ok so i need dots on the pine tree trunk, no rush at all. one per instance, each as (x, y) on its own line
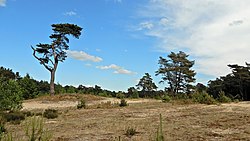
(52, 84)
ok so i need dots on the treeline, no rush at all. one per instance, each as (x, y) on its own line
(31, 88)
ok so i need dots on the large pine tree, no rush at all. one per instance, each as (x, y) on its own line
(51, 54)
(177, 72)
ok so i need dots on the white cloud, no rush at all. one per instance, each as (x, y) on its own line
(83, 56)
(215, 33)
(145, 25)
(3, 3)
(70, 13)
(117, 69)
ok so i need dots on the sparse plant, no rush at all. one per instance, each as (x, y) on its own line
(50, 113)
(107, 104)
(123, 103)
(159, 133)
(34, 130)
(130, 131)
(81, 104)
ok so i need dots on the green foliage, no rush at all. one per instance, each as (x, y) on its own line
(50, 113)
(135, 94)
(166, 98)
(235, 85)
(130, 131)
(203, 98)
(146, 83)
(29, 87)
(49, 55)
(222, 98)
(34, 130)
(159, 133)
(177, 72)
(120, 95)
(8, 74)
(123, 103)
(81, 104)
(10, 95)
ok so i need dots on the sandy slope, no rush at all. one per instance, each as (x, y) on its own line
(44, 104)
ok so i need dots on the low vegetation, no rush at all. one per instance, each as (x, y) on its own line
(50, 113)
(81, 104)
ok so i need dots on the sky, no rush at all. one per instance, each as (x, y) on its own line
(123, 39)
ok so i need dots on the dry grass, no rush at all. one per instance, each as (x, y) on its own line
(67, 97)
(180, 122)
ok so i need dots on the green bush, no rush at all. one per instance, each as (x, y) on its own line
(166, 98)
(222, 98)
(10, 95)
(120, 95)
(50, 113)
(81, 104)
(203, 98)
(123, 103)
(135, 94)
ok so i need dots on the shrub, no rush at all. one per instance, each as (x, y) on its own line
(135, 94)
(120, 95)
(50, 113)
(123, 103)
(222, 98)
(166, 98)
(81, 104)
(203, 98)
(130, 131)
(14, 117)
(10, 95)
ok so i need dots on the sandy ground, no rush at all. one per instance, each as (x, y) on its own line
(45, 104)
(189, 122)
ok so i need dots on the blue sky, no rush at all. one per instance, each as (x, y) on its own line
(123, 39)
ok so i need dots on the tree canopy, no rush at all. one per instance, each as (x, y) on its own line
(177, 72)
(234, 85)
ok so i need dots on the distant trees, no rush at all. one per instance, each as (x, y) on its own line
(146, 84)
(177, 72)
(235, 85)
(51, 54)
